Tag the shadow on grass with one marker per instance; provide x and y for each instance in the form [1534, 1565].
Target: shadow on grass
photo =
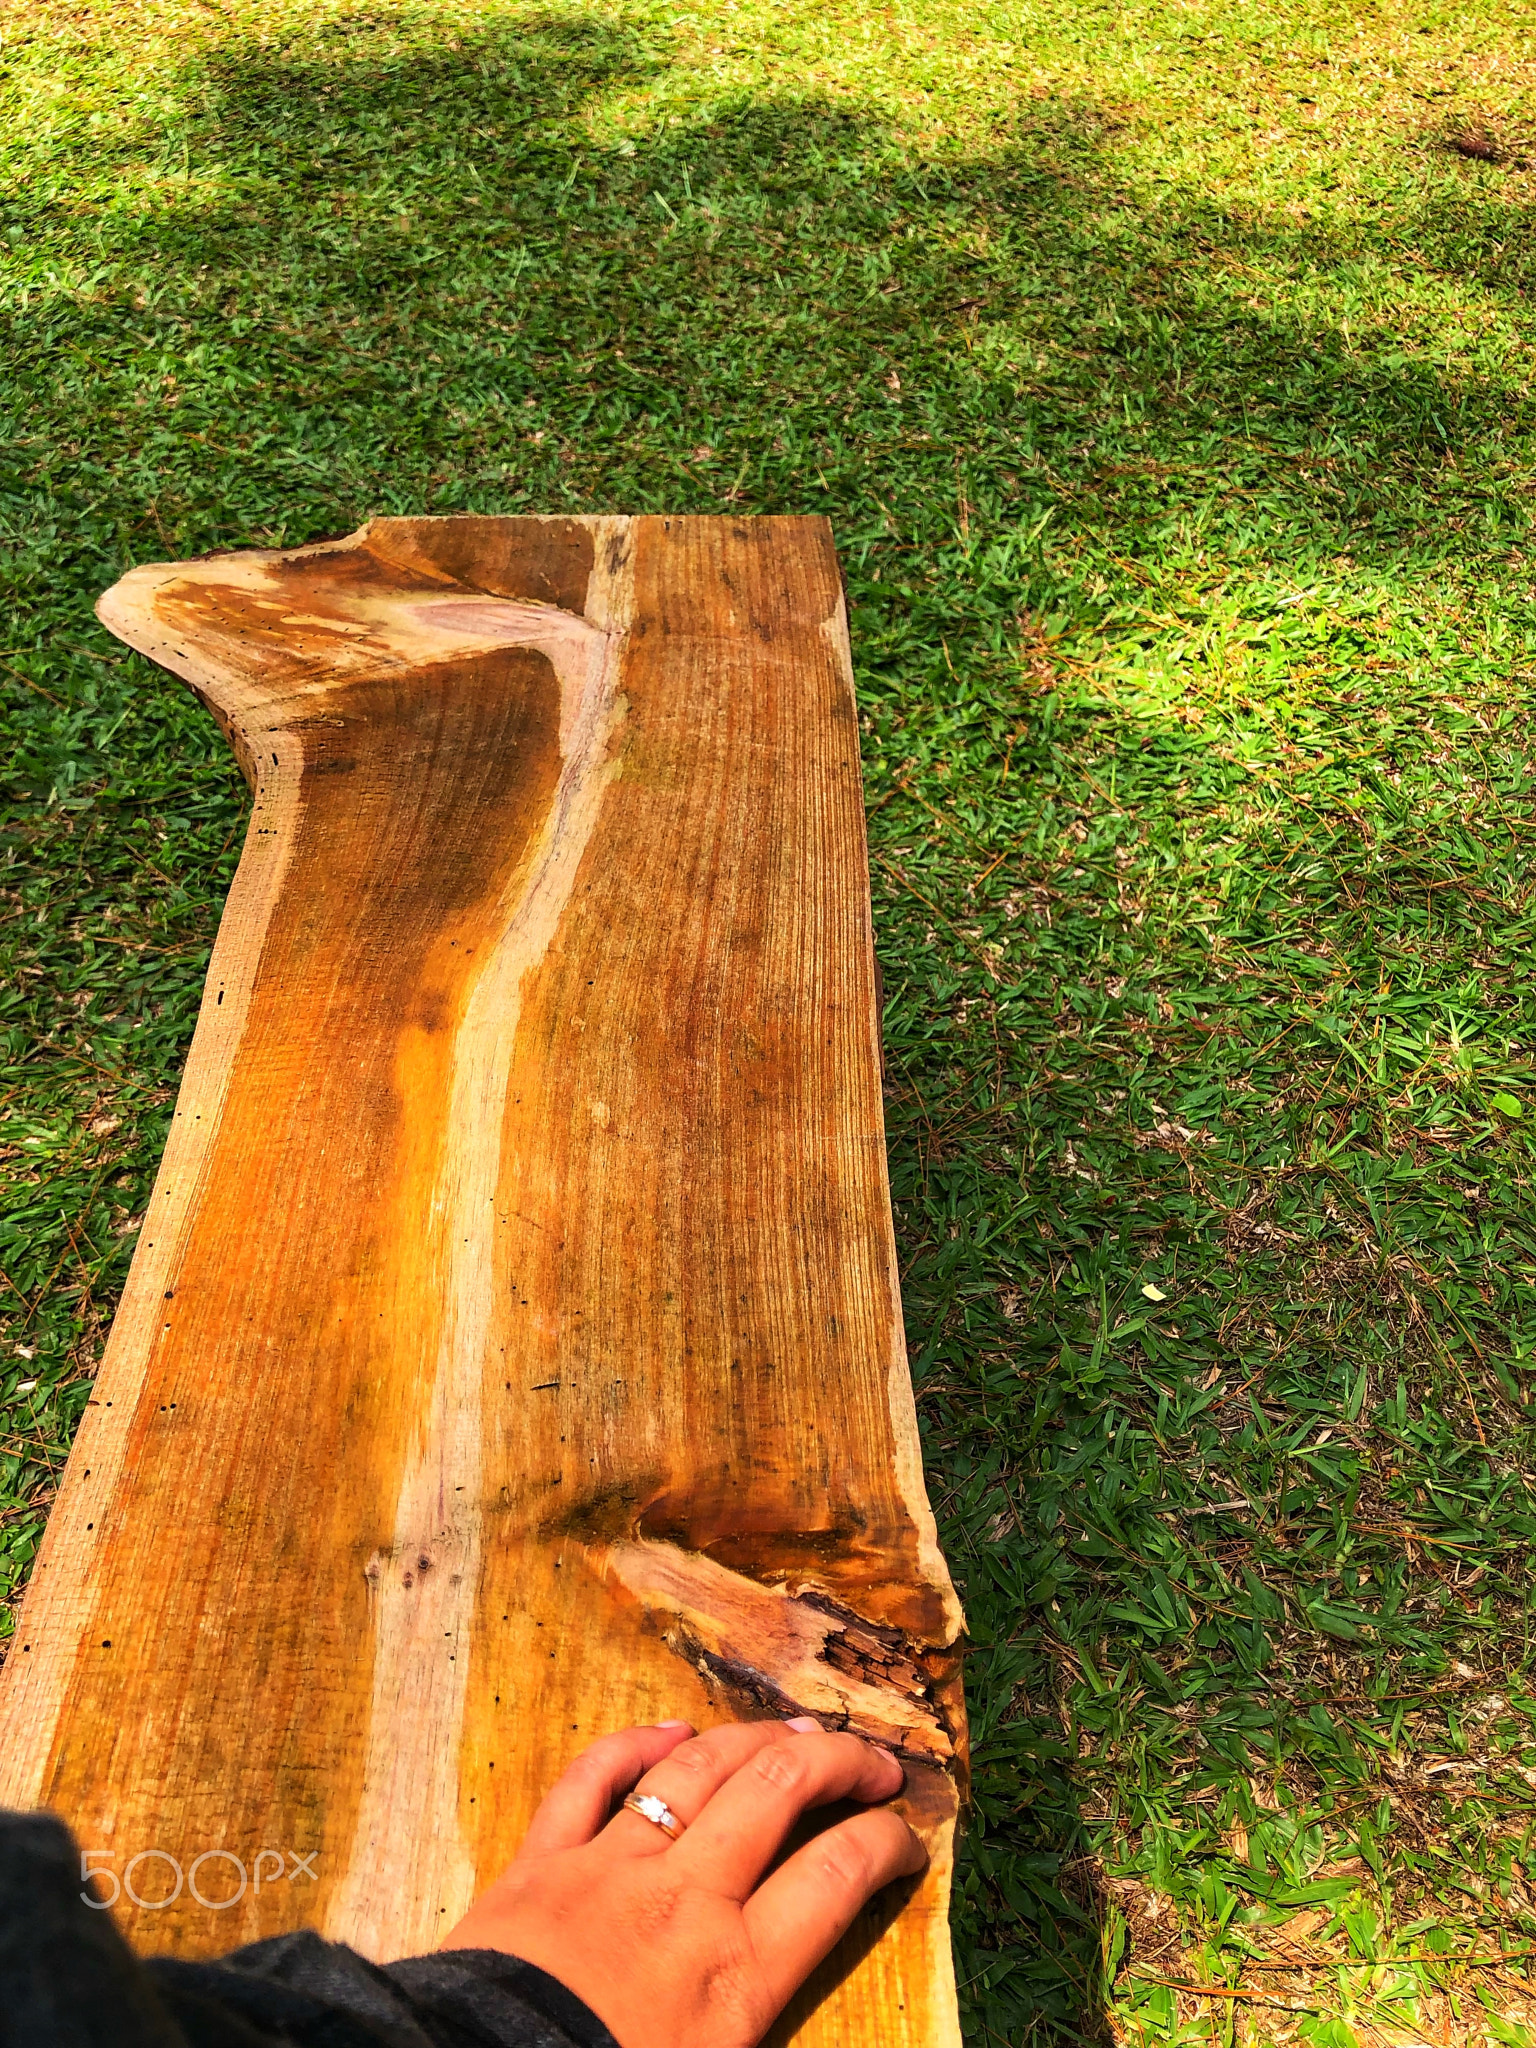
[375, 271]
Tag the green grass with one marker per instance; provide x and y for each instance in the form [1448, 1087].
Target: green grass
[1167, 379]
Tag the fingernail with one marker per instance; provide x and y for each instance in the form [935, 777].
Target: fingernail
[674, 1724]
[804, 1724]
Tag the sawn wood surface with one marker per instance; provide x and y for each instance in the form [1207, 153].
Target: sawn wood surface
[513, 1348]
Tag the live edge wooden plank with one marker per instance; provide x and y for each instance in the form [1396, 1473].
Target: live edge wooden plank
[513, 1350]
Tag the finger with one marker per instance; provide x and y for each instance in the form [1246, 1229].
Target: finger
[581, 1799]
[746, 1824]
[689, 1778]
[800, 1913]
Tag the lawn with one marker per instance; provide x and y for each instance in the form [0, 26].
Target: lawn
[1165, 370]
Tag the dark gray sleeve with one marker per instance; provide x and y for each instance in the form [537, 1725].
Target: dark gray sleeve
[460, 1998]
[69, 1979]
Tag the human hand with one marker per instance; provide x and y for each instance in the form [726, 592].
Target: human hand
[688, 1944]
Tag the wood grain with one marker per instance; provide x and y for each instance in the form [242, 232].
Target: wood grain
[513, 1349]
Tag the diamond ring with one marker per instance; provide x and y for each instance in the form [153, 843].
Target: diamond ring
[656, 1811]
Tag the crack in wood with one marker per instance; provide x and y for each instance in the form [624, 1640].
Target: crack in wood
[783, 1651]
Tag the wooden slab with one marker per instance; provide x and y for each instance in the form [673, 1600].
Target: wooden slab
[513, 1348]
